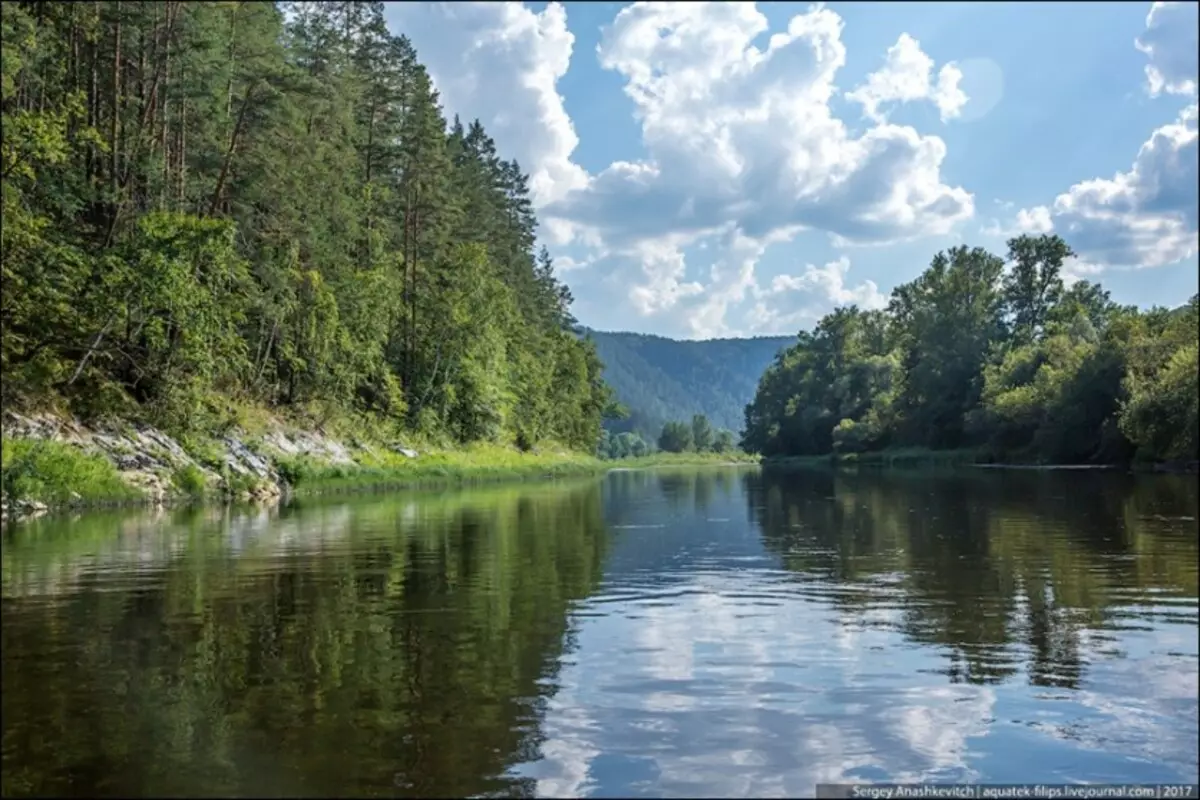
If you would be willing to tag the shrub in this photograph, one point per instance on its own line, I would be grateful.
(48, 471)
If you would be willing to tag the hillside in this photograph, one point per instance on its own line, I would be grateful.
(662, 379)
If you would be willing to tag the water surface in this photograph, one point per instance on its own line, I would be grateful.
(711, 632)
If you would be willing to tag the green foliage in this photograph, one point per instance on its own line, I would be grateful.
(1008, 367)
(209, 206)
(622, 445)
(53, 472)
(676, 437)
(724, 442)
(657, 379)
(190, 480)
(1160, 414)
(475, 464)
(702, 433)
(204, 451)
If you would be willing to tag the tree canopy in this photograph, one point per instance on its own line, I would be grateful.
(970, 354)
(208, 203)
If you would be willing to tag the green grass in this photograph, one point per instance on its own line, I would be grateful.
(191, 481)
(380, 468)
(61, 474)
(684, 459)
(53, 472)
(383, 469)
(204, 451)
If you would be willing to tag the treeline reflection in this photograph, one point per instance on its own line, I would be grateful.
(391, 646)
(1008, 571)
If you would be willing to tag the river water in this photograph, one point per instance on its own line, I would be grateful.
(708, 632)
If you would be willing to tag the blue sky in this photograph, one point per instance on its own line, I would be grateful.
(731, 169)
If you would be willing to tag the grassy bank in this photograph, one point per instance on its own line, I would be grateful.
(380, 469)
(682, 460)
(477, 464)
(58, 474)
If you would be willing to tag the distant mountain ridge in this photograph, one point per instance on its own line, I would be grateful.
(661, 379)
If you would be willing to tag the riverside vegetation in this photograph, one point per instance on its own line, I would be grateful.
(167, 266)
(972, 362)
(216, 210)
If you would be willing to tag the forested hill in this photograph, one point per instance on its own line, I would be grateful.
(214, 206)
(660, 379)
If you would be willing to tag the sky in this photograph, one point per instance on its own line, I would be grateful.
(706, 170)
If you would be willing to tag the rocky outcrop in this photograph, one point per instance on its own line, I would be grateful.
(234, 466)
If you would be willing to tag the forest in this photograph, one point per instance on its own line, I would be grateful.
(214, 206)
(661, 380)
(209, 206)
(696, 436)
(1009, 361)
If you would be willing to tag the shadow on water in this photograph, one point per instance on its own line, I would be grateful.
(675, 632)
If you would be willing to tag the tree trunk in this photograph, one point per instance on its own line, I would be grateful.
(233, 140)
(165, 113)
(114, 128)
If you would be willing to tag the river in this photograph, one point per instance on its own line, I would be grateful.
(718, 631)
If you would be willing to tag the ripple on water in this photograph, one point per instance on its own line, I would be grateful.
(653, 634)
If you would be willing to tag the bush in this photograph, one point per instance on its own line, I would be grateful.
(191, 480)
(48, 471)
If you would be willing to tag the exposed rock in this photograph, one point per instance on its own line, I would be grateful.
(153, 486)
(244, 461)
(28, 509)
(314, 445)
(148, 459)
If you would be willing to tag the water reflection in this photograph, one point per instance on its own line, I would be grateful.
(394, 646)
(819, 626)
(1009, 572)
(711, 632)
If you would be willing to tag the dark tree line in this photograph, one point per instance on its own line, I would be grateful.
(207, 204)
(697, 436)
(970, 355)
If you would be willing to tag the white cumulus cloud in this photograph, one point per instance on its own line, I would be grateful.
(830, 282)
(743, 135)
(501, 62)
(1145, 216)
(744, 151)
(792, 300)
(906, 77)
(1172, 43)
(1028, 220)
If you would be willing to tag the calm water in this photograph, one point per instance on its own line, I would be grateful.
(721, 631)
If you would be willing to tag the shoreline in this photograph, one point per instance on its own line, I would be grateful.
(51, 463)
(917, 457)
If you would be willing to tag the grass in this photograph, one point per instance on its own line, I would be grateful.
(52, 472)
(476, 464)
(479, 463)
(203, 450)
(684, 459)
(190, 480)
(61, 474)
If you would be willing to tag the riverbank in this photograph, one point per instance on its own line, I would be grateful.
(49, 461)
(906, 457)
(966, 457)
